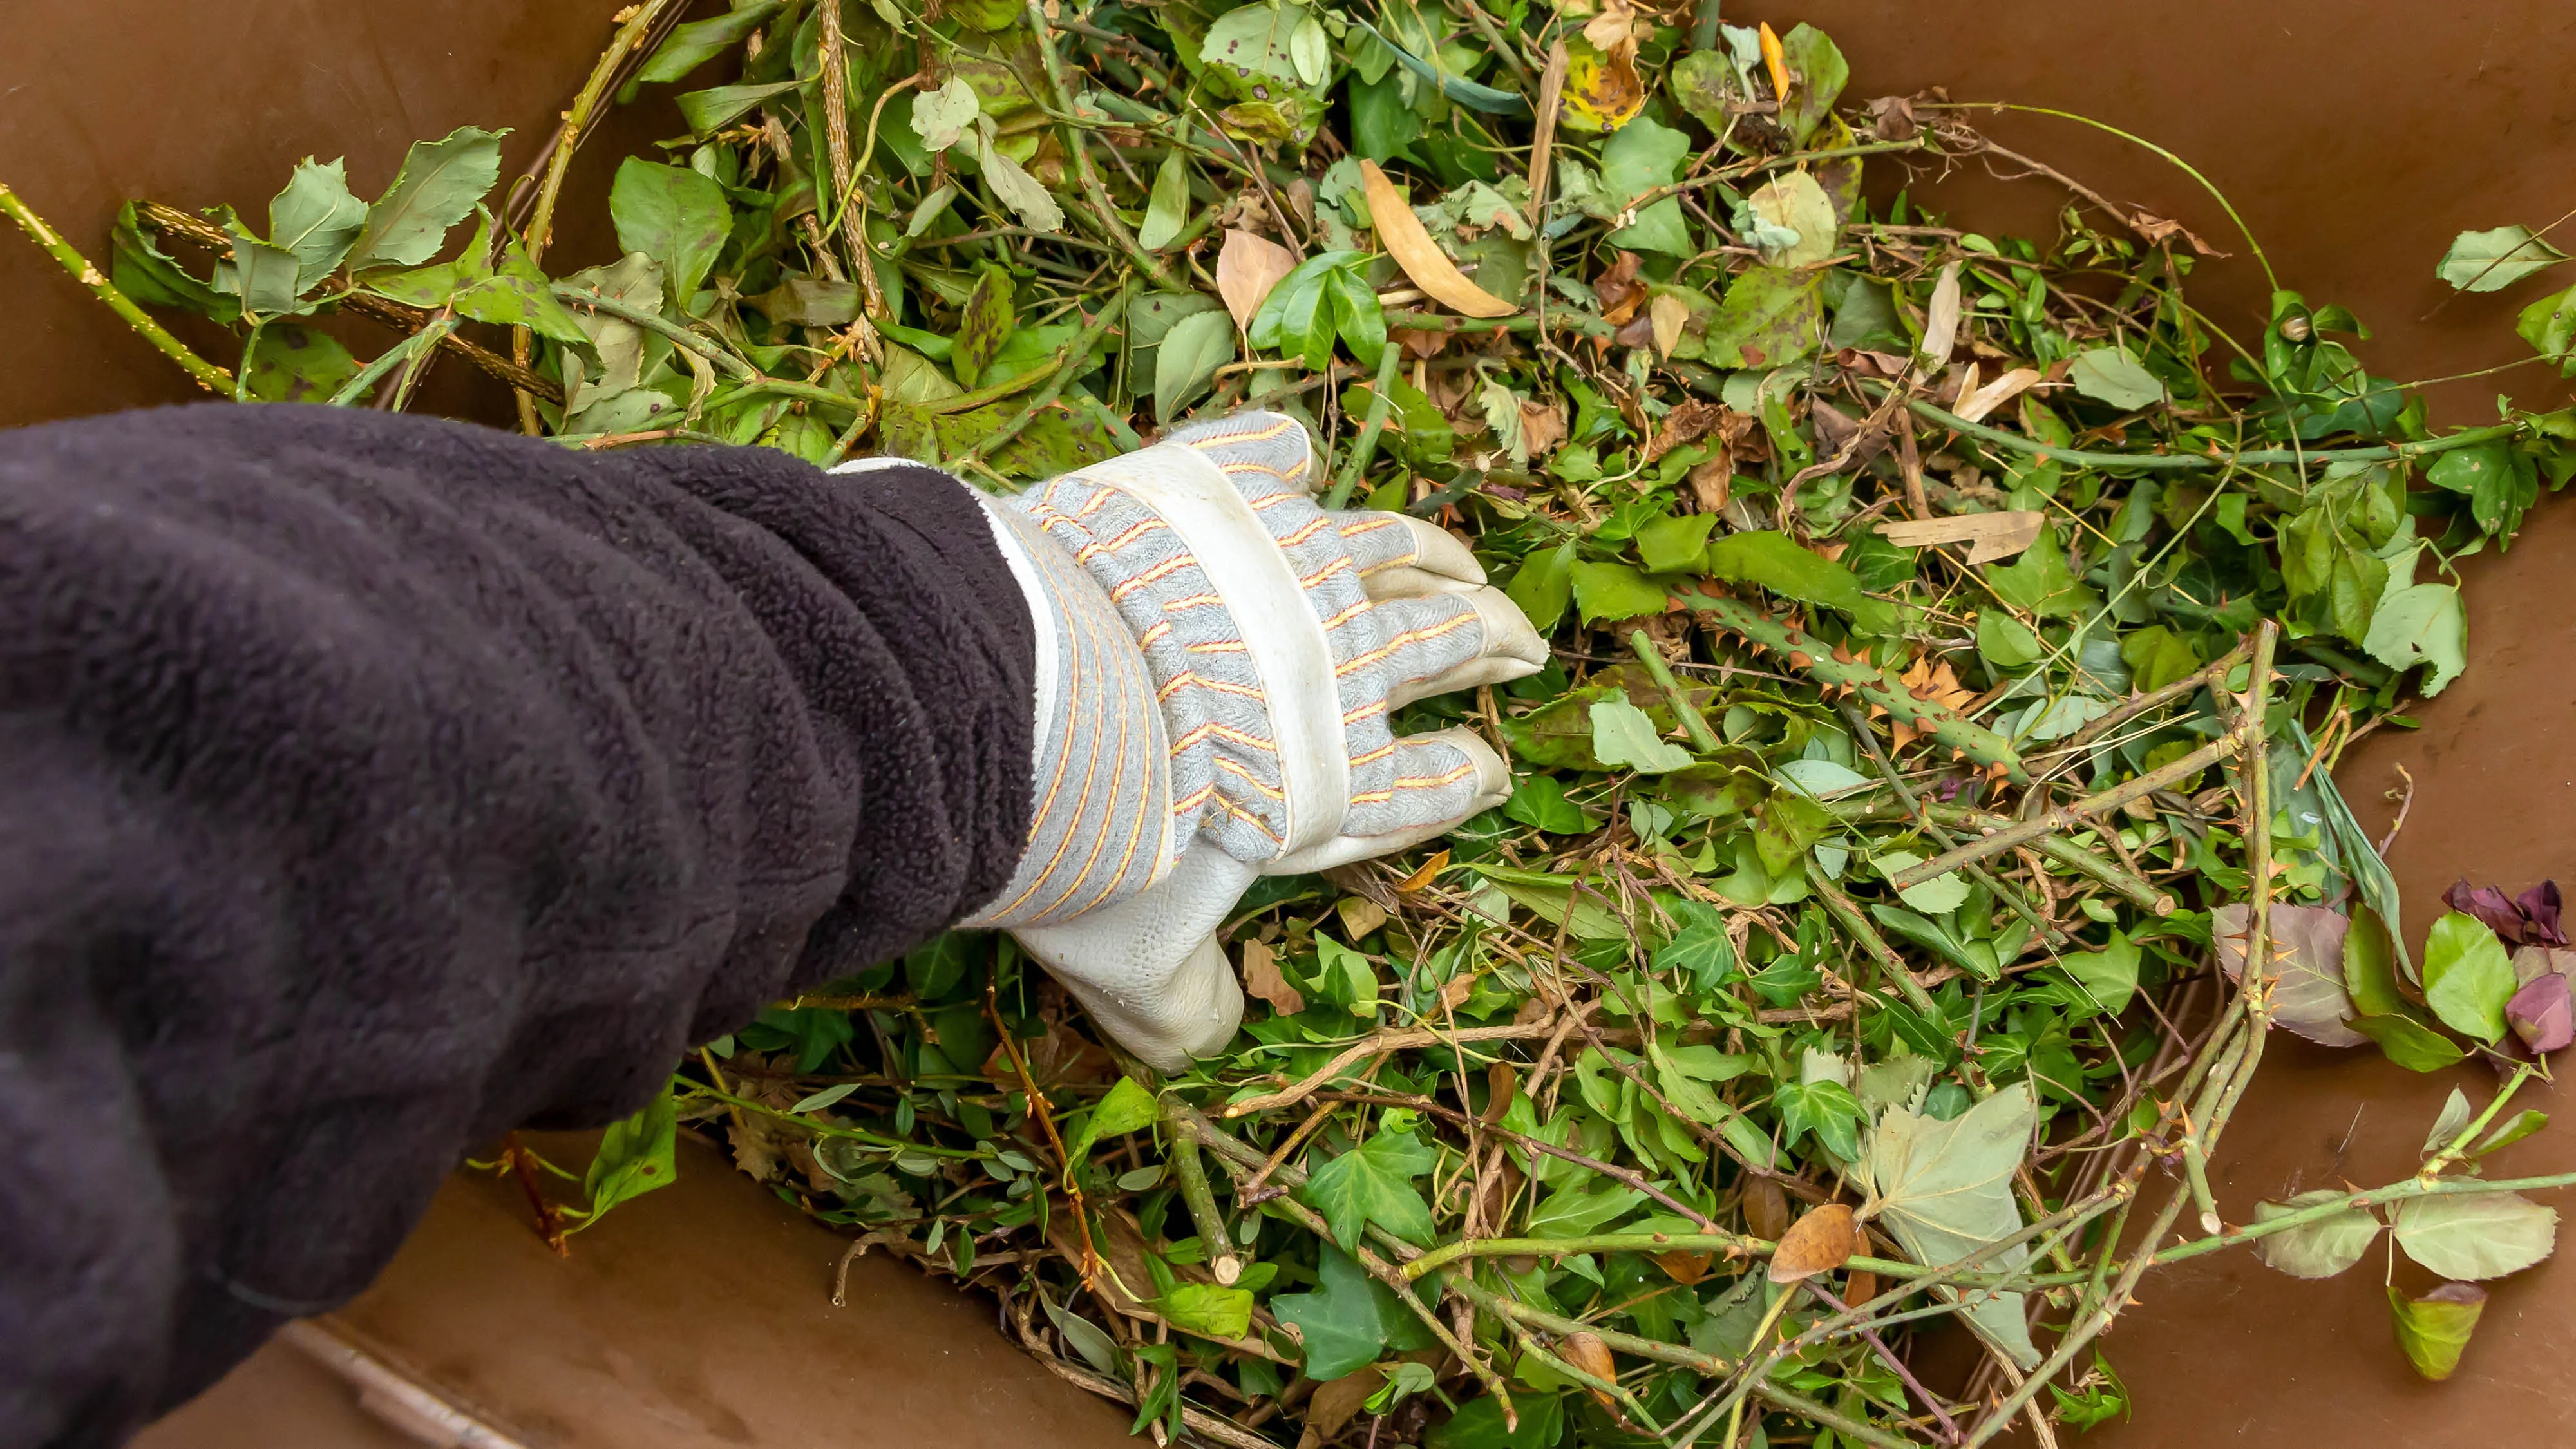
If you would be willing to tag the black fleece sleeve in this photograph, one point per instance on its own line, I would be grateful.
(372, 785)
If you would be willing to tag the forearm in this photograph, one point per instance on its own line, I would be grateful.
(370, 785)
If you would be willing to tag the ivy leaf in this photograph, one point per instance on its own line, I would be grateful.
(2320, 1249)
(1623, 734)
(2434, 1330)
(2475, 1235)
(1127, 1108)
(1539, 801)
(1543, 586)
(1938, 896)
(1701, 948)
(2106, 978)
(1637, 158)
(2490, 261)
(1945, 1190)
(1346, 978)
(1827, 1109)
(1373, 1183)
(2468, 978)
(1478, 1424)
(437, 187)
(1348, 1320)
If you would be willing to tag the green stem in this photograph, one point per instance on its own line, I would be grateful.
(1093, 193)
(391, 358)
(652, 321)
(1191, 1172)
(2459, 1146)
(1381, 399)
(2202, 462)
(2004, 891)
(1694, 724)
(208, 376)
(1842, 909)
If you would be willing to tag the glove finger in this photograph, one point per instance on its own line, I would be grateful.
(1266, 455)
(1439, 780)
(1148, 968)
(1442, 642)
(1405, 557)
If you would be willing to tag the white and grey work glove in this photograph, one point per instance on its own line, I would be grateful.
(1216, 660)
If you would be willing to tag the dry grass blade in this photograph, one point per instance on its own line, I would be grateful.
(1989, 536)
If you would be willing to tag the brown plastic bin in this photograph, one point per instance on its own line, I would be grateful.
(2356, 138)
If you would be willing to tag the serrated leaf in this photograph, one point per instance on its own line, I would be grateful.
(673, 215)
(1021, 192)
(942, 116)
(2468, 978)
(2490, 261)
(437, 187)
(1613, 591)
(2306, 945)
(2469, 1236)
(1373, 1183)
(2320, 1249)
(2408, 1042)
(1187, 359)
(317, 219)
(1624, 735)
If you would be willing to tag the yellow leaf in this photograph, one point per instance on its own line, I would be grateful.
(1777, 62)
(1419, 255)
(1246, 269)
(1430, 868)
(1667, 314)
(1602, 88)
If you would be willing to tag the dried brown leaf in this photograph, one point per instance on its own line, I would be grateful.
(1989, 536)
(1709, 482)
(1246, 269)
(1668, 313)
(1820, 1242)
(1941, 322)
(1684, 1268)
(1337, 1402)
(1766, 1208)
(1977, 403)
(1261, 979)
(1587, 1352)
(1414, 250)
(1359, 915)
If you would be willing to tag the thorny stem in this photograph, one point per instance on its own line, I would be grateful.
(1694, 724)
(1093, 193)
(207, 375)
(1076, 358)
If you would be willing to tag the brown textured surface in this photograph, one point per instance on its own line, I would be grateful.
(699, 1317)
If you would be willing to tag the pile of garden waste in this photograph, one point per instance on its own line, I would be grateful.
(1955, 638)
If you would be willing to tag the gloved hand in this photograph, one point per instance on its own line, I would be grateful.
(1216, 660)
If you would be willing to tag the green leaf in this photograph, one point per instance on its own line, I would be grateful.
(1945, 1190)
(1373, 1183)
(1187, 359)
(817, 1101)
(432, 286)
(1613, 591)
(1539, 801)
(2005, 642)
(1256, 40)
(148, 275)
(1938, 896)
(984, 324)
(1780, 564)
(2434, 1330)
(1348, 1320)
(2039, 582)
(2108, 977)
(1127, 1108)
(2549, 325)
(694, 44)
(2420, 624)
(2523, 1124)
(2468, 977)
(1478, 1424)
(1770, 316)
(317, 219)
(673, 215)
(1207, 1310)
(2320, 1249)
(297, 364)
(1624, 735)
(1822, 73)
(1827, 1109)
(1579, 1207)
(1543, 586)
(2113, 375)
(1672, 542)
(267, 279)
(2409, 1043)
(634, 1157)
(944, 116)
(1017, 189)
(1797, 221)
(2468, 1236)
(2490, 261)
(1637, 158)
(1169, 206)
(437, 187)
(518, 295)
(711, 110)
(1346, 978)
